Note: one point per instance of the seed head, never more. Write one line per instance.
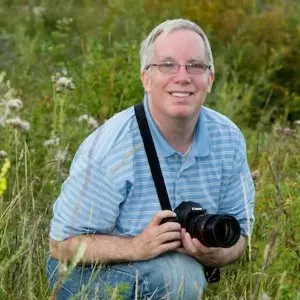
(92, 122)
(51, 142)
(18, 123)
(15, 104)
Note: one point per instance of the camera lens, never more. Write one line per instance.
(215, 230)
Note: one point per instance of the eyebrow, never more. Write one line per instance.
(169, 58)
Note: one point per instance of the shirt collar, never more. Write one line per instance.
(200, 146)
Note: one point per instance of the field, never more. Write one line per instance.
(67, 66)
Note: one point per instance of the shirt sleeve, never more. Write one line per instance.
(88, 203)
(238, 196)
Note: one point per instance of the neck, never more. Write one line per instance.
(178, 132)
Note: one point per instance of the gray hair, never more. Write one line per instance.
(146, 50)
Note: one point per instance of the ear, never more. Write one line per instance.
(146, 81)
(211, 78)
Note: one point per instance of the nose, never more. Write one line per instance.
(182, 76)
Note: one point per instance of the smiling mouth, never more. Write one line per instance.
(181, 94)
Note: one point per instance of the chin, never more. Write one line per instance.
(182, 113)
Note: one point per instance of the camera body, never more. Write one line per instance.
(212, 230)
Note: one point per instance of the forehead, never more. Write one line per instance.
(179, 45)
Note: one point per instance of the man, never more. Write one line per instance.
(108, 206)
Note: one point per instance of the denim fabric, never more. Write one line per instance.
(169, 276)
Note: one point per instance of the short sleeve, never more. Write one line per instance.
(88, 202)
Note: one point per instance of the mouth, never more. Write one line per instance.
(180, 94)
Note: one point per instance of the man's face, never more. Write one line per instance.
(180, 95)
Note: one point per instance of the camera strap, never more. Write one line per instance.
(152, 157)
(211, 274)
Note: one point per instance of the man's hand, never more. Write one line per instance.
(158, 238)
(210, 256)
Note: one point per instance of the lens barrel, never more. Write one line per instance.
(215, 230)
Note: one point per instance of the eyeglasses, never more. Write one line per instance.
(173, 68)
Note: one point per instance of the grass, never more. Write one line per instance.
(97, 53)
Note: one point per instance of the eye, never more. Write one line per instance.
(197, 66)
(167, 67)
(167, 64)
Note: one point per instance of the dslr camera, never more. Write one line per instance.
(212, 230)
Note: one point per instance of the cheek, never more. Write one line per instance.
(159, 86)
(203, 85)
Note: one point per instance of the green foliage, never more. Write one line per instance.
(73, 64)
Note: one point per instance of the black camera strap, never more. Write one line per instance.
(152, 157)
(211, 274)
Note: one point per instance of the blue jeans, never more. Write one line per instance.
(170, 276)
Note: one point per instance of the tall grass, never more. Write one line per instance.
(71, 66)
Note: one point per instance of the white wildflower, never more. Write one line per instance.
(83, 118)
(62, 155)
(18, 123)
(92, 122)
(3, 153)
(51, 142)
(15, 104)
(63, 83)
(297, 122)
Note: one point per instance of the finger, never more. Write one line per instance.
(194, 246)
(202, 248)
(169, 236)
(158, 217)
(172, 246)
(195, 242)
(198, 244)
(169, 226)
(188, 243)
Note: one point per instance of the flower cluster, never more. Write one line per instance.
(62, 156)
(91, 122)
(62, 82)
(51, 142)
(10, 106)
(16, 122)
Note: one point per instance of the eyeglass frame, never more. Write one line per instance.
(178, 67)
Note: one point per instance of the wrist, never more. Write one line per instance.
(134, 249)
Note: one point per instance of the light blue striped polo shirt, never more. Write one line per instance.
(110, 189)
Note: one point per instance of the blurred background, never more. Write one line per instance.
(67, 66)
